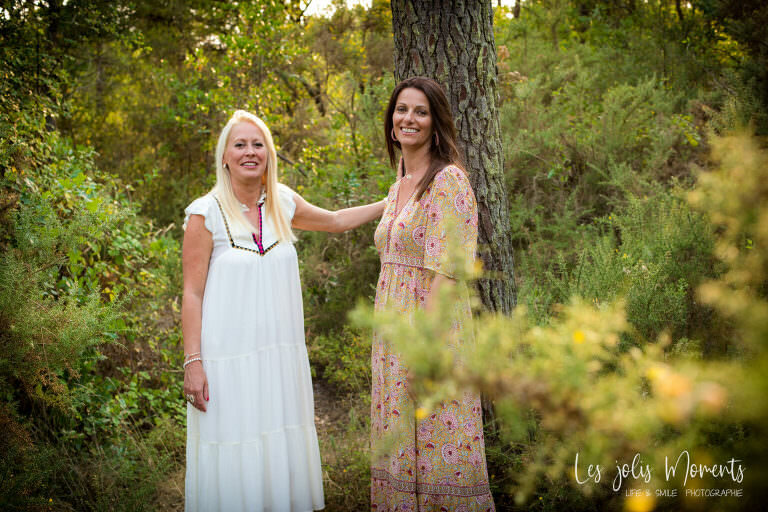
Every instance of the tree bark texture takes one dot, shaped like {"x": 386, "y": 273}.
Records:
{"x": 452, "y": 42}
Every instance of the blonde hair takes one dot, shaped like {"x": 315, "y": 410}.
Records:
{"x": 226, "y": 195}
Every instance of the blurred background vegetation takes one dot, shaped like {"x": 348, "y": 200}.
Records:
{"x": 639, "y": 219}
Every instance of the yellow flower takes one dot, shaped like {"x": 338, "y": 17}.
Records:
{"x": 657, "y": 371}
{"x": 578, "y": 337}
{"x": 642, "y": 503}
{"x": 421, "y": 413}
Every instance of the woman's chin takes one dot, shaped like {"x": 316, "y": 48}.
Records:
{"x": 414, "y": 143}
{"x": 251, "y": 178}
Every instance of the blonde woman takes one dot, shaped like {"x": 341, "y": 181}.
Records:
{"x": 251, "y": 440}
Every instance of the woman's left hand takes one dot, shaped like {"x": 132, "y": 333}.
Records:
{"x": 196, "y": 385}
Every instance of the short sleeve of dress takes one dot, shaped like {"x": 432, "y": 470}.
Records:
{"x": 451, "y": 221}
{"x": 286, "y": 201}
{"x": 201, "y": 206}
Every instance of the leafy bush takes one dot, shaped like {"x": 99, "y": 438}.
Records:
{"x": 654, "y": 252}
{"x": 80, "y": 276}
{"x": 345, "y": 358}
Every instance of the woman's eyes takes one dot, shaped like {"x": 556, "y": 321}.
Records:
{"x": 403, "y": 110}
{"x": 240, "y": 145}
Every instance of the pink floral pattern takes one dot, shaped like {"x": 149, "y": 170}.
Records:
{"x": 450, "y": 454}
{"x": 461, "y": 202}
{"x": 418, "y": 235}
{"x": 439, "y": 461}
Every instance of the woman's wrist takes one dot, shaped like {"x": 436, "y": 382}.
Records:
{"x": 191, "y": 360}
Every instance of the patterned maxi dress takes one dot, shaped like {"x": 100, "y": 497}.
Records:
{"x": 438, "y": 463}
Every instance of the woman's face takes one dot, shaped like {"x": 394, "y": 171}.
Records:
{"x": 246, "y": 153}
{"x": 412, "y": 120}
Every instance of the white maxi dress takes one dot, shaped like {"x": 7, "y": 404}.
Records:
{"x": 255, "y": 449}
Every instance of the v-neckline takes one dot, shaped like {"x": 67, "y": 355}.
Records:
{"x": 397, "y": 200}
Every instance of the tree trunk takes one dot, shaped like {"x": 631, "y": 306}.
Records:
{"x": 452, "y": 42}
{"x": 679, "y": 10}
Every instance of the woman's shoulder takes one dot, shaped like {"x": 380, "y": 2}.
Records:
{"x": 202, "y": 202}
{"x": 451, "y": 177}
{"x": 284, "y": 191}
{"x": 286, "y": 196}
{"x": 203, "y": 205}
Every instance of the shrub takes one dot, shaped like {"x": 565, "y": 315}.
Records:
{"x": 79, "y": 274}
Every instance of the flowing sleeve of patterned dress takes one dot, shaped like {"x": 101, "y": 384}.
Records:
{"x": 436, "y": 463}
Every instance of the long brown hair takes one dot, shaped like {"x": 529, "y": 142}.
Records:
{"x": 445, "y": 152}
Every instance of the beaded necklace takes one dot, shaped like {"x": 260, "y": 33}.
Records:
{"x": 257, "y": 239}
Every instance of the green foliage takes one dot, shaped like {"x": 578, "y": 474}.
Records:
{"x": 170, "y": 100}
{"x": 745, "y": 22}
{"x": 734, "y": 197}
{"x": 49, "y": 318}
{"x": 596, "y": 164}
{"x": 344, "y": 445}
{"x": 654, "y": 253}
{"x": 79, "y": 270}
{"x": 607, "y": 119}
{"x": 345, "y": 359}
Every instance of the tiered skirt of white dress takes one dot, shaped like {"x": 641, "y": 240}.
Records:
{"x": 255, "y": 449}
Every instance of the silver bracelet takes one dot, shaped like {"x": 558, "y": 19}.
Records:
{"x": 190, "y": 361}
{"x": 191, "y": 355}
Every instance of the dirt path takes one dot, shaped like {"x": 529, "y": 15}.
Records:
{"x": 330, "y": 414}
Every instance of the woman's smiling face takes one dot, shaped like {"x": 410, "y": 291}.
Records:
{"x": 412, "y": 120}
{"x": 246, "y": 153}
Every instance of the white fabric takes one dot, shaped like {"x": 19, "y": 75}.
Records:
{"x": 255, "y": 449}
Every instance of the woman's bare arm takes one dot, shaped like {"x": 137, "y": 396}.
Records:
{"x": 309, "y": 217}
{"x": 196, "y": 255}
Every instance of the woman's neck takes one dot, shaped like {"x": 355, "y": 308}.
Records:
{"x": 416, "y": 161}
{"x": 248, "y": 194}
